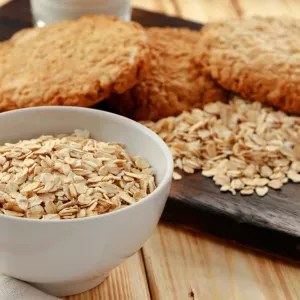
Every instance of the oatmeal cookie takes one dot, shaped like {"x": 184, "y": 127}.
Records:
{"x": 76, "y": 62}
{"x": 256, "y": 57}
{"x": 173, "y": 83}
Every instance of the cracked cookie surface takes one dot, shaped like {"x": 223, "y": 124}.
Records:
{"x": 256, "y": 57}
{"x": 173, "y": 83}
{"x": 77, "y": 62}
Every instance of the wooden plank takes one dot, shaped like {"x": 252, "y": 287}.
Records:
{"x": 128, "y": 281}
{"x": 215, "y": 10}
{"x": 250, "y": 220}
{"x": 289, "y": 8}
{"x": 194, "y": 10}
{"x": 186, "y": 265}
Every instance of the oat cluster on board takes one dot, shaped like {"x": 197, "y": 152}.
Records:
{"x": 242, "y": 145}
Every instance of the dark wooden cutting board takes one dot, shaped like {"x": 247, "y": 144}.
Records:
{"x": 271, "y": 223}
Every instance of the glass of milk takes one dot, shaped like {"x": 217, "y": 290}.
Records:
{"x": 51, "y": 11}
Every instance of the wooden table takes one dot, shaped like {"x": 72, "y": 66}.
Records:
{"x": 178, "y": 264}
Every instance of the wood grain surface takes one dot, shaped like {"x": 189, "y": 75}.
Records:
{"x": 249, "y": 220}
{"x": 125, "y": 282}
{"x": 214, "y": 10}
{"x": 184, "y": 265}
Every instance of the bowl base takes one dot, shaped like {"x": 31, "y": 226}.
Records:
{"x": 70, "y": 288}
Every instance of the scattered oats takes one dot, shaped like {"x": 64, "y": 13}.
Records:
{"x": 275, "y": 184}
{"x": 81, "y": 188}
{"x": 13, "y": 213}
{"x": 247, "y": 191}
{"x": 124, "y": 196}
{"x": 72, "y": 191}
{"x": 91, "y": 213}
{"x": 233, "y": 192}
{"x": 141, "y": 163}
{"x": 134, "y": 175}
{"x": 261, "y": 191}
{"x": 221, "y": 180}
{"x": 255, "y": 182}
{"x": 30, "y": 187}
{"x": 82, "y": 133}
{"x": 234, "y": 173}
{"x": 152, "y": 185}
{"x": 28, "y": 162}
{"x": 266, "y": 171}
{"x": 248, "y": 142}
{"x": 209, "y": 173}
{"x": 50, "y": 207}
{"x": 109, "y": 187}
{"x": 65, "y": 205}
{"x": 34, "y": 200}
{"x": 285, "y": 180}
{"x": 81, "y": 213}
{"x": 68, "y": 217}
{"x": 51, "y": 217}
{"x": 84, "y": 200}
{"x": 277, "y": 175}
{"x": 259, "y": 182}
{"x": 128, "y": 185}
{"x": 250, "y": 171}
{"x": 139, "y": 195}
{"x": 12, "y": 206}
{"x": 35, "y": 212}
{"x": 22, "y": 202}
{"x": 237, "y": 184}
{"x": 176, "y": 176}
{"x": 295, "y": 166}
{"x": 294, "y": 176}
{"x": 225, "y": 188}
{"x": 69, "y": 211}
{"x": 188, "y": 169}
{"x": 92, "y": 206}
{"x": 71, "y": 176}
{"x": 95, "y": 179}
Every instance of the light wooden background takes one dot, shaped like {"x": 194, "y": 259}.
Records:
{"x": 213, "y": 10}
{"x": 177, "y": 264}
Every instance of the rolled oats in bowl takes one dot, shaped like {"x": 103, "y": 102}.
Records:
{"x": 70, "y": 176}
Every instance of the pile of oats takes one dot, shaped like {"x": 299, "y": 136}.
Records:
{"x": 70, "y": 176}
{"x": 243, "y": 146}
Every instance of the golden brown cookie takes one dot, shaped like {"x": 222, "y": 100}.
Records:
{"x": 256, "y": 57}
{"x": 173, "y": 83}
{"x": 78, "y": 62}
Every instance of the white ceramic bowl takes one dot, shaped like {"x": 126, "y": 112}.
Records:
{"x": 64, "y": 257}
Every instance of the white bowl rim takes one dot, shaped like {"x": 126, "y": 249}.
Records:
{"x": 151, "y": 197}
